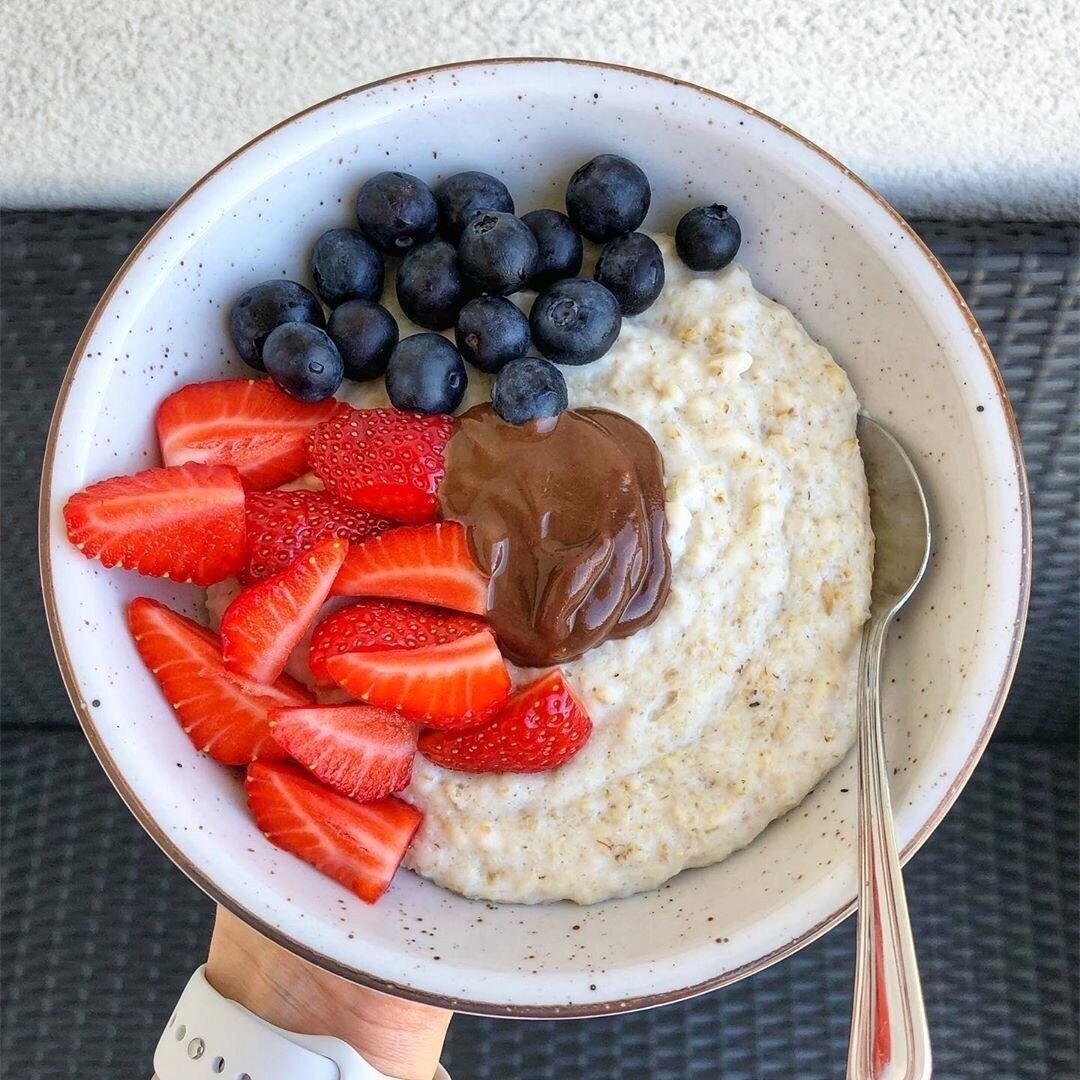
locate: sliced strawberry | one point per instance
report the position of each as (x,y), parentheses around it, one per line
(363,752)
(359,845)
(539,727)
(382,460)
(184,523)
(283,524)
(429,564)
(224,716)
(438,667)
(446,687)
(247,423)
(386,624)
(268,619)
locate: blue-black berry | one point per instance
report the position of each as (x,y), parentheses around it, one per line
(491,331)
(575,321)
(396,212)
(465,194)
(430,287)
(426,374)
(264,308)
(497,252)
(529,389)
(346,266)
(632,267)
(708,238)
(365,334)
(607,196)
(559,249)
(303,361)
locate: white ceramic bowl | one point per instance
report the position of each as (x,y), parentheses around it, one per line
(817,239)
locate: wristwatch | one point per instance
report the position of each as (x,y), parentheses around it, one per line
(211,1036)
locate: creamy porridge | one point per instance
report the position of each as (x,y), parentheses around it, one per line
(731,706)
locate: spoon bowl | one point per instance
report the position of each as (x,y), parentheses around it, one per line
(898,516)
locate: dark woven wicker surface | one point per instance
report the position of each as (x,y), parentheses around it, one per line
(100,931)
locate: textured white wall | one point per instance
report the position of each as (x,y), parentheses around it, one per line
(950,106)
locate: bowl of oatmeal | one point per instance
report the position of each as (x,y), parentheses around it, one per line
(707,827)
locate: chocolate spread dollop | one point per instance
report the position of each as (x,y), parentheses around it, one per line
(567,515)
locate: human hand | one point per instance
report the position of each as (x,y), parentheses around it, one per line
(400,1038)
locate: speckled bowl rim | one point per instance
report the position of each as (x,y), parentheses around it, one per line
(485,1008)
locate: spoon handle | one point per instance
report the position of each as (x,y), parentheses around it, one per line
(889,1036)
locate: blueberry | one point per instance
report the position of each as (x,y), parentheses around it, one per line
(707,238)
(303,361)
(528,389)
(465,194)
(607,196)
(559,251)
(497,252)
(490,332)
(396,211)
(632,267)
(365,335)
(266,306)
(346,267)
(426,374)
(575,321)
(430,288)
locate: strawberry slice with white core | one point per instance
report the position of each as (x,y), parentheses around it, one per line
(541,726)
(247,423)
(263,625)
(357,844)
(375,625)
(184,523)
(363,752)
(427,564)
(440,668)
(225,717)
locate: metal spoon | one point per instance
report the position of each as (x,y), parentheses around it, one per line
(889,1035)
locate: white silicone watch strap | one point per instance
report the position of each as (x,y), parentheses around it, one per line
(211,1036)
